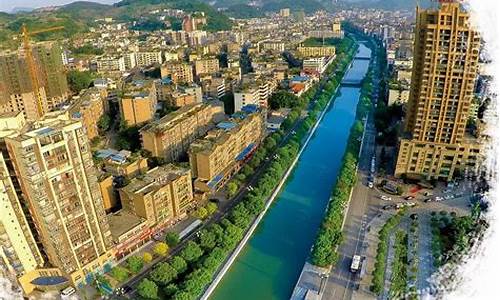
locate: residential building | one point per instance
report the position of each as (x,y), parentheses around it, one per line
(316,64)
(137,108)
(17,89)
(178,72)
(285,12)
(398,96)
(56,179)
(177,95)
(222,152)
(110,64)
(19,254)
(256,93)
(147,58)
(129,232)
(159,196)
(88,107)
(319,51)
(445,67)
(206,66)
(171,136)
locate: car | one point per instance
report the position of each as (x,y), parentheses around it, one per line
(410,204)
(384,197)
(126,289)
(409,197)
(388,206)
(370,185)
(68,291)
(437,198)
(427,200)
(214,200)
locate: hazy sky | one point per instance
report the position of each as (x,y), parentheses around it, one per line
(8,5)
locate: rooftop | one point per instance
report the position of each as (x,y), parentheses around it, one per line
(121,222)
(155,179)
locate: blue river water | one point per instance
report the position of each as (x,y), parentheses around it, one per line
(270,264)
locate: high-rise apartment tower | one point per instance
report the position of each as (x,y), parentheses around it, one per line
(445,65)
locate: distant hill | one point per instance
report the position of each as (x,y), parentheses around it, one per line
(16,10)
(390,4)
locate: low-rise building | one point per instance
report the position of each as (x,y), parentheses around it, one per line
(319,51)
(171,136)
(222,152)
(255,93)
(178,72)
(206,66)
(160,196)
(398,96)
(128,231)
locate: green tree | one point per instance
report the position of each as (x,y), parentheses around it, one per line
(147,289)
(163,274)
(232,188)
(172,239)
(179,264)
(170,289)
(282,99)
(135,264)
(160,249)
(104,123)
(211,208)
(191,252)
(79,80)
(119,273)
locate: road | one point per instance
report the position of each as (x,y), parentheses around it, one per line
(363,207)
(134,281)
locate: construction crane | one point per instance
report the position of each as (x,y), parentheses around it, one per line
(30,60)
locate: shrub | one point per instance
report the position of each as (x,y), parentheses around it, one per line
(160,249)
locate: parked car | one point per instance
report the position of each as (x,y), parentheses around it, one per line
(385,198)
(370,184)
(409,197)
(438,198)
(388,206)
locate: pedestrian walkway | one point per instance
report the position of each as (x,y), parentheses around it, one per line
(311,282)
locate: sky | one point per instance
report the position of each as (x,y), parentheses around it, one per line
(8,5)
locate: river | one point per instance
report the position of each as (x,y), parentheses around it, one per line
(270,264)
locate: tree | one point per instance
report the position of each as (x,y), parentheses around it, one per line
(200,213)
(179,264)
(135,264)
(147,257)
(232,188)
(163,274)
(172,239)
(211,208)
(191,252)
(160,249)
(148,289)
(104,123)
(283,98)
(170,289)
(79,80)
(119,273)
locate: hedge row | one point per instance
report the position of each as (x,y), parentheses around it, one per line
(380,259)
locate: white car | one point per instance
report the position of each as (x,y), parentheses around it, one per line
(384,197)
(370,185)
(438,198)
